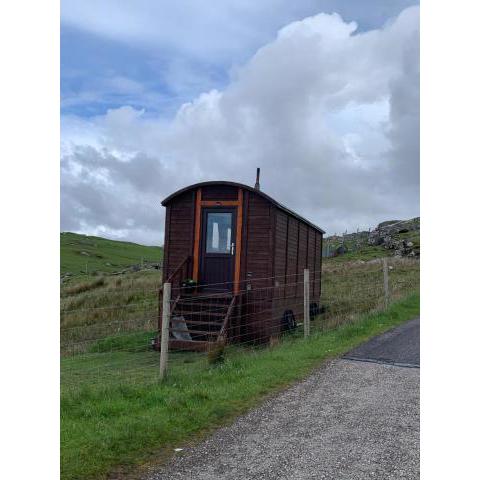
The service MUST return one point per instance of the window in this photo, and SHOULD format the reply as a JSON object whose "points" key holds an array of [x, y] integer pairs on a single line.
{"points": [[219, 232]]}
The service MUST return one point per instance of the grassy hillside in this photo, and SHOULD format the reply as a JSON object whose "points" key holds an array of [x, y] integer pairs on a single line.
{"points": [[364, 252], [82, 254], [357, 246]]}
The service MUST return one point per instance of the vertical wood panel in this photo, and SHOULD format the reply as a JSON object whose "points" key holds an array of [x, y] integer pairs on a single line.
{"points": [[259, 266], [302, 256], [196, 245], [238, 246], [320, 268], [166, 246], [180, 217], [311, 260]]}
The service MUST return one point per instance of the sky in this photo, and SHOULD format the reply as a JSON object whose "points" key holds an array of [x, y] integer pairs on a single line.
{"points": [[323, 96]]}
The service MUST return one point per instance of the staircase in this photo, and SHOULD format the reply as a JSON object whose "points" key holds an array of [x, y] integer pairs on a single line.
{"points": [[198, 321]]}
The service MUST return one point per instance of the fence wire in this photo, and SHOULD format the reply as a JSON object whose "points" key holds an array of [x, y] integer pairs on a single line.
{"points": [[108, 336]]}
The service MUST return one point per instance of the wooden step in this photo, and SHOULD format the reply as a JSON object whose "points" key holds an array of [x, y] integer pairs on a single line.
{"points": [[192, 345], [206, 296], [197, 332], [203, 304], [199, 313], [203, 322]]}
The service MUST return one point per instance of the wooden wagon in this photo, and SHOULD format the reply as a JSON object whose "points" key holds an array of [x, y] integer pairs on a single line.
{"points": [[235, 259]]}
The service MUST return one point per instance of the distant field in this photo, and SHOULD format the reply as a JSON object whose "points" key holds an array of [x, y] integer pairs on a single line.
{"points": [[82, 254]]}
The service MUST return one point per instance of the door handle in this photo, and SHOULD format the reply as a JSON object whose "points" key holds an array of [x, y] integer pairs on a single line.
{"points": [[232, 249]]}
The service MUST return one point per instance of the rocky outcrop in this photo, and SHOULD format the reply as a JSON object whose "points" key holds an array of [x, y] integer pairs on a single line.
{"points": [[138, 267], [391, 235], [401, 236]]}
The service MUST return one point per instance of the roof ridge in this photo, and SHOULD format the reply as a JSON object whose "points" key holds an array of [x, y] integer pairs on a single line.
{"points": [[246, 187]]}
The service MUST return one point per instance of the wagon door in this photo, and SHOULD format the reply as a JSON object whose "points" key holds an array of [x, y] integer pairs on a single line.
{"points": [[218, 248]]}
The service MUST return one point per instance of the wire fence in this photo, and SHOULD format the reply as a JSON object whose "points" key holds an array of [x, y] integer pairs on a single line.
{"points": [[113, 336]]}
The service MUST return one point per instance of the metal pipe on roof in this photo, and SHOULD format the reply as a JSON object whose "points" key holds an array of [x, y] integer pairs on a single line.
{"points": [[257, 183]]}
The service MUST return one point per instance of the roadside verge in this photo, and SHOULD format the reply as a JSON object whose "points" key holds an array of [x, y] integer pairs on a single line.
{"points": [[127, 425]]}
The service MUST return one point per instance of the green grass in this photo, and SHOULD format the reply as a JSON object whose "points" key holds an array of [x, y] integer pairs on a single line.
{"points": [[92, 309], [112, 420], [364, 252], [79, 253], [130, 342]]}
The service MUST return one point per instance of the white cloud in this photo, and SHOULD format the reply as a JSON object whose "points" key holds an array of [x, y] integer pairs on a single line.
{"points": [[330, 115]]}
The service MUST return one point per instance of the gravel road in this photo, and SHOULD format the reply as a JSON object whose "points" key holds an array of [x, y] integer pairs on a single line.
{"points": [[348, 420]]}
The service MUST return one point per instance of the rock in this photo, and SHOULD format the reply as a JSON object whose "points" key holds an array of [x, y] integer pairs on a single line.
{"points": [[386, 234], [387, 223], [85, 253]]}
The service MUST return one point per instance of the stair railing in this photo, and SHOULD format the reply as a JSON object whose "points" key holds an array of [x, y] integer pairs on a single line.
{"points": [[222, 336]]}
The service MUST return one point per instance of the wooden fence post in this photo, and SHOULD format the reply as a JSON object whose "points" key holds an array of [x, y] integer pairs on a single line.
{"points": [[306, 302], [385, 283], [167, 289]]}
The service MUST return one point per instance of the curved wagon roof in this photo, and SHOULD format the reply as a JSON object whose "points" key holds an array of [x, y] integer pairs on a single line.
{"points": [[167, 200]]}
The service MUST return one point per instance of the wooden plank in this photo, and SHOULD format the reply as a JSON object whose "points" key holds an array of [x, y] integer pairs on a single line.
{"points": [[219, 203], [166, 245], [179, 239], [320, 269], [238, 246], [196, 246], [286, 257], [219, 192], [259, 264], [197, 332], [318, 266], [196, 345], [311, 259]]}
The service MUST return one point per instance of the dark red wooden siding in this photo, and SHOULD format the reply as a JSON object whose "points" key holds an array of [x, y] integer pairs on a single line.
{"points": [[297, 246], [276, 248], [258, 250], [311, 259], [292, 258], [280, 254], [219, 192], [318, 267], [179, 231]]}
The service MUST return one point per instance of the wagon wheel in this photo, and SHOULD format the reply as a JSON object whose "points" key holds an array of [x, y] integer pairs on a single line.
{"points": [[289, 322], [314, 309]]}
